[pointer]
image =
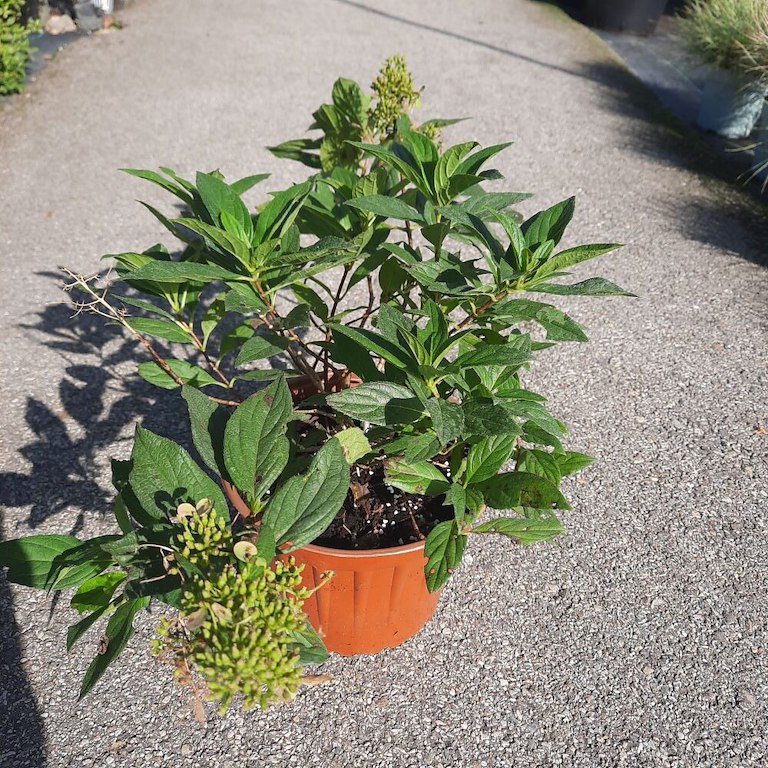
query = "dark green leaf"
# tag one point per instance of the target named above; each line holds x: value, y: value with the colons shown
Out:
x: 522, y: 489
x: 594, y: 286
x: 29, y: 560
x: 549, y: 224
x: 388, y: 207
x: 419, y: 477
x: 305, y: 505
x: 261, y: 347
x: 255, y: 446
x: 76, y: 631
x: 164, y: 475
x: 380, y: 402
x: 161, y: 329
x: 571, y: 462
x: 488, y: 456
x: 523, y: 530
x: 187, y: 372
x: 444, y: 549
x: 119, y: 632
x: 448, y: 419
x: 97, y: 592
x: 208, y: 421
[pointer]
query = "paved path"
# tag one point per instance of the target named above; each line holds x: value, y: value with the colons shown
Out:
x: 641, y: 639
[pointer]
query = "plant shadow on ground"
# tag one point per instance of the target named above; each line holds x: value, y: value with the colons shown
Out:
x: 22, y: 737
x: 733, y: 215
x: 99, y: 407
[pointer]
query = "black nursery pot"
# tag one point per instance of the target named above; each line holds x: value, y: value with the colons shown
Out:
x: 637, y: 17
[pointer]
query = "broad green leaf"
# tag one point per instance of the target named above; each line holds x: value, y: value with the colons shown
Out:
x: 77, y: 630
x: 219, y: 198
x: 208, y: 421
x: 183, y: 271
x: 448, y: 419
x: 29, y: 560
x: 594, y: 286
x: 419, y: 477
x: 522, y: 489
x: 515, y: 353
x: 310, y: 297
x: 524, y: 531
x: 81, y: 563
x: 572, y: 256
x: 549, y: 224
x: 261, y: 347
x: 483, y: 417
x: 241, y: 186
x: 312, y: 650
x: 375, y: 343
x: 379, y: 402
x: 541, y: 463
x: 161, y: 329
x: 164, y: 475
x: 444, y: 549
x: 488, y: 456
x: 571, y: 462
x: 473, y: 163
x: 457, y: 495
x: 354, y: 443
x: 97, y: 592
x: 388, y: 207
x: 255, y: 446
x: 188, y: 373
x: 161, y: 181
x: 119, y: 632
x: 304, y: 506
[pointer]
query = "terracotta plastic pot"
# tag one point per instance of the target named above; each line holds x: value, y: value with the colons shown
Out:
x: 377, y: 599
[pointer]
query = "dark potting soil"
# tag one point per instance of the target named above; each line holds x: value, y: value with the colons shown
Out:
x: 377, y: 516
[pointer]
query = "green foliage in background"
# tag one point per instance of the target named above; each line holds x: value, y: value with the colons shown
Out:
x: 15, y: 49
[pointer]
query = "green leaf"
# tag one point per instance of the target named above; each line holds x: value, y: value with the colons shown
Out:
x: 549, y: 224
x: 161, y: 181
x: 161, y: 329
x: 261, y: 347
x: 81, y: 563
x: 29, y: 560
x: 164, y: 475
x: 388, y: 207
x: 188, y: 373
x: 183, y: 271
x: 594, y: 286
x: 419, y: 477
x: 208, y: 421
x: 457, y: 495
x: 241, y: 186
x: 488, y: 456
x: 312, y: 650
x: 266, y: 546
x: 483, y: 417
x: 305, y: 506
x: 119, y: 632
x: 375, y: 343
x: 524, y: 531
x: 310, y: 297
x: 522, y: 489
x: 354, y: 443
x: 444, y: 549
x: 219, y: 198
x: 541, y: 463
x: 514, y: 354
x: 448, y: 419
x: 572, y: 256
x: 571, y: 462
x: 76, y: 631
x: 97, y: 592
x: 255, y: 446
x: 379, y: 402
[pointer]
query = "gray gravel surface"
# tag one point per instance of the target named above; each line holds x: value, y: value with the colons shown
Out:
x: 640, y: 640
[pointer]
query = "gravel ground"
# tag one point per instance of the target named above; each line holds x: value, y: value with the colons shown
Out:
x: 640, y: 640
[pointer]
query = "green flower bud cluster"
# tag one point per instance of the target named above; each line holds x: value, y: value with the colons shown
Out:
x: 239, y: 617
x: 395, y: 93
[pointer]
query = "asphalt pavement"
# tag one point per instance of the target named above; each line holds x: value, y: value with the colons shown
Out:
x: 640, y: 639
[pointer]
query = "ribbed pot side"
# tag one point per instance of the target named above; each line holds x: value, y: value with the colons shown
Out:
x: 377, y: 599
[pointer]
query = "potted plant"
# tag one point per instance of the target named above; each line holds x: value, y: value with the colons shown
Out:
x: 719, y: 32
x: 388, y: 294
x: 636, y: 17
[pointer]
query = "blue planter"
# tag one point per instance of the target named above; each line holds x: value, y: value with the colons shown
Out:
x: 730, y: 104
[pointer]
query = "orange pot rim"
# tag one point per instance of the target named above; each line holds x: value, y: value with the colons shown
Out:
x: 404, y: 549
